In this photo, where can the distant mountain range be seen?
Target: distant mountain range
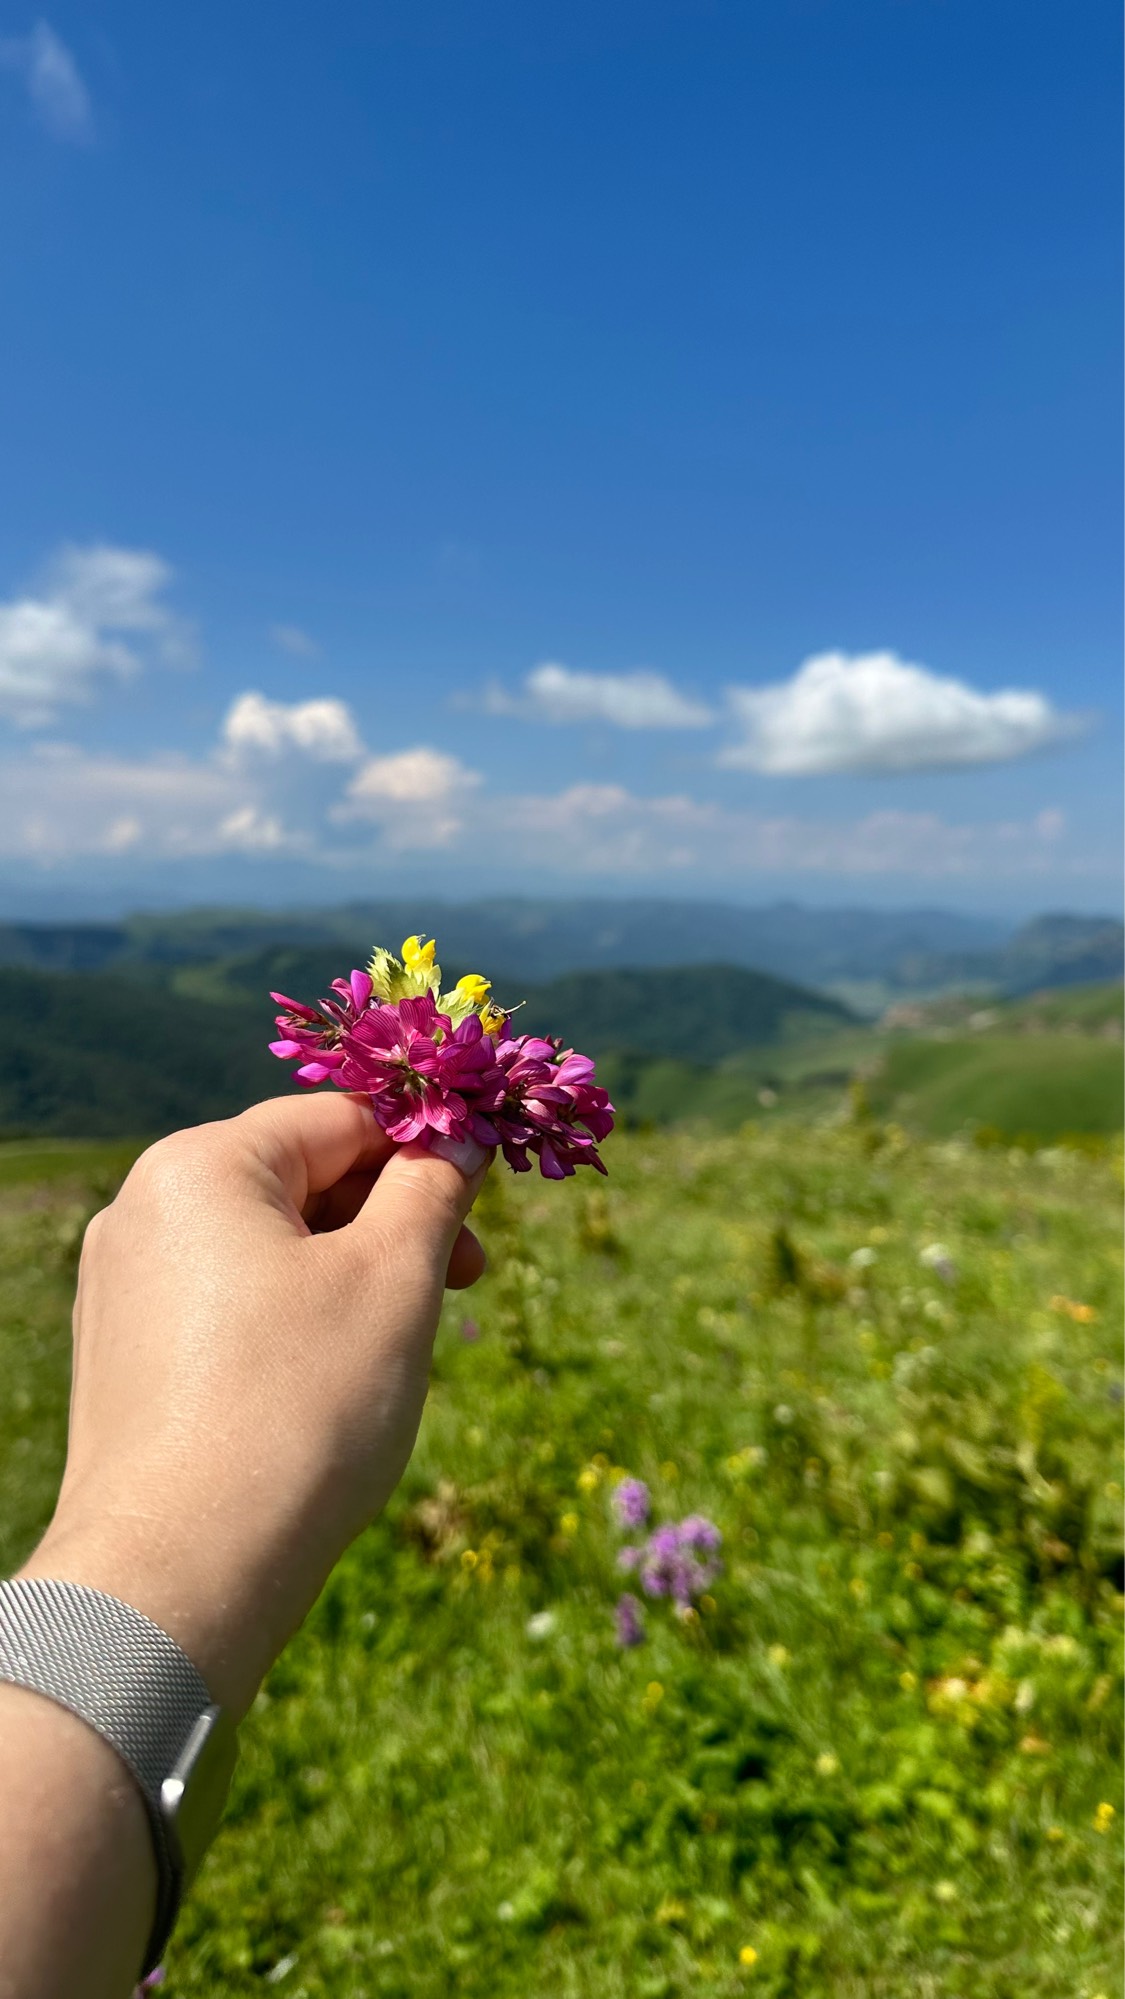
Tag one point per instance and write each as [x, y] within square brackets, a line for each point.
[864, 956]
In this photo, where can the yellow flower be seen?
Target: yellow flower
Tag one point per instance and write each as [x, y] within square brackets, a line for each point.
[492, 1018]
[588, 1478]
[671, 1911]
[472, 987]
[652, 1696]
[469, 1558]
[827, 1764]
[569, 1523]
[1083, 1315]
[748, 1956]
[1104, 1817]
[416, 954]
[778, 1655]
[908, 1681]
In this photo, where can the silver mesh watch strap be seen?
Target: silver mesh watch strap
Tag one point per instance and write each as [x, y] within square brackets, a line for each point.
[129, 1681]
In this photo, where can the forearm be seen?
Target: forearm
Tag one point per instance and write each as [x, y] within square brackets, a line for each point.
[77, 1876]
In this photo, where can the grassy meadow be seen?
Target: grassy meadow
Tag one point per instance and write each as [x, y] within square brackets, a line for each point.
[883, 1759]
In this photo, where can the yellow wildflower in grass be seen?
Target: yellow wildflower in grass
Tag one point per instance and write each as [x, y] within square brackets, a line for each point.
[671, 1472]
[748, 1957]
[1083, 1315]
[670, 1911]
[569, 1523]
[908, 1681]
[1104, 1817]
[778, 1655]
[1055, 1833]
[652, 1697]
[827, 1764]
[469, 1558]
[588, 1479]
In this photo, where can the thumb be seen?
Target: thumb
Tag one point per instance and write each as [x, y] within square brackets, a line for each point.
[418, 1205]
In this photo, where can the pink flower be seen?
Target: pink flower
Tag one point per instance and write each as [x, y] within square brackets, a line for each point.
[428, 1079]
[423, 1075]
[551, 1107]
[316, 1033]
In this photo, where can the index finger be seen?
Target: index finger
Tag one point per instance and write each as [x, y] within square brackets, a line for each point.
[309, 1142]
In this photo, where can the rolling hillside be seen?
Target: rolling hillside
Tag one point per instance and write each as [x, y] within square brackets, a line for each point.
[104, 1056]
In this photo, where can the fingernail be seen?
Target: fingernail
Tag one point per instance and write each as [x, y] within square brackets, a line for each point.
[464, 1153]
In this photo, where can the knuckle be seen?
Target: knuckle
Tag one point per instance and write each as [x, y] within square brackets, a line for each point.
[169, 1168]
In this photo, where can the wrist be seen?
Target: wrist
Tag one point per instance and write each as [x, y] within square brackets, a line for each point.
[210, 1620]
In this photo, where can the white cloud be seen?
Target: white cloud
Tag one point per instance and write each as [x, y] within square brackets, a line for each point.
[254, 832]
[59, 804]
[54, 645]
[292, 639]
[412, 777]
[295, 779]
[323, 729]
[416, 796]
[50, 75]
[641, 700]
[876, 713]
[606, 830]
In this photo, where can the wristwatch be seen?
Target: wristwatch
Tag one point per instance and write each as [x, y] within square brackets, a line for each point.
[131, 1683]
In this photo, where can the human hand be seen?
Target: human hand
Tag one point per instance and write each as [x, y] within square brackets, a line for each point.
[253, 1330]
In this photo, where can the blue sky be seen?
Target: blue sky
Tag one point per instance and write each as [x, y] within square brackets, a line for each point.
[628, 448]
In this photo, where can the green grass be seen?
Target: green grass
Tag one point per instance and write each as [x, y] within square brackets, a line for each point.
[1049, 1085]
[875, 1760]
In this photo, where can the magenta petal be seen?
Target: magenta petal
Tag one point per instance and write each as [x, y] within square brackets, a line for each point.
[360, 984]
[295, 1006]
[286, 1050]
[313, 1072]
[550, 1165]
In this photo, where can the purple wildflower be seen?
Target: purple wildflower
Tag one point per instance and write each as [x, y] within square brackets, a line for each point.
[700, 1534]
[551, 1107]
[629, 1620]
[470, 1330]
[679, 1561]
[154, 1979]
[631, 1503]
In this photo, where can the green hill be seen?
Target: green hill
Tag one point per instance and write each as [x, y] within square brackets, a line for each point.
[701, 1013]
[104, 1055]
[1046, 1086]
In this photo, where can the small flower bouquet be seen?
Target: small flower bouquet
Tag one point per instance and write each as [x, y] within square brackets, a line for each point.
[446, 1068]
